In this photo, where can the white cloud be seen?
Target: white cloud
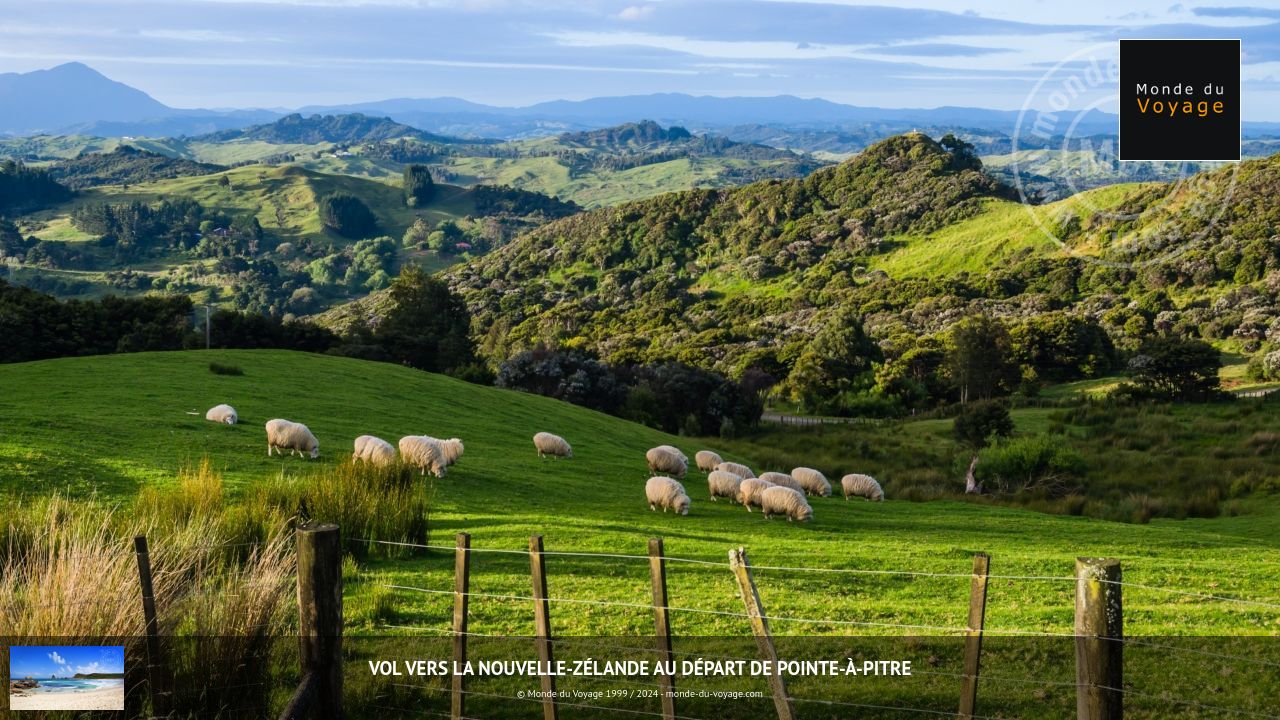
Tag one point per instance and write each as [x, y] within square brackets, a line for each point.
[93, 667]
[635, 12]
[54, 656]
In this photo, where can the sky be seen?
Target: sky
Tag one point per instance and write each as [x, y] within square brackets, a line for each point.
[42, 661]
[900, 53]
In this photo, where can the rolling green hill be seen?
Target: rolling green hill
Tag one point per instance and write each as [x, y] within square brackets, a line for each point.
[104, 427]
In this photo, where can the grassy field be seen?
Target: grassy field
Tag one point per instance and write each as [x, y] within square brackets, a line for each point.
[108, 430]
[106, 427]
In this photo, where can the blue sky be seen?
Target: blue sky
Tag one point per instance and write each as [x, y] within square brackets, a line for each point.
[64, 660]
[908, 53]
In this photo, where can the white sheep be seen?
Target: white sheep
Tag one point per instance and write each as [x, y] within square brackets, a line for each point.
[295, 437]
[222, 414]
[749, 491]
[677, 451]
[785, 501]
[738, 469]
[666, 459]
[666, 493]
[552, 445]
[783, 479]
[813, 482]
[373, 450]
[723, 484]
[452, 450]
[707, 460]
[424, 453]
[863, 486]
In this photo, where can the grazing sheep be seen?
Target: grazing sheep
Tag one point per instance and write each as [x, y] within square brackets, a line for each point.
[707, 460]
[749, 492]
[222, 414]
[813, 482]
[723, 484]
[295, 437]
[552, 445]
[668, 494]
[783, 479]
[424, 453]
[666, 459]
[452, 450]
[677, 451]
[863, 486]
[738, 469]
[785, 501]
[373, 450]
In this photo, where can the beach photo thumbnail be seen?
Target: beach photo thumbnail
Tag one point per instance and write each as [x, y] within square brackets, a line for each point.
[66, 677]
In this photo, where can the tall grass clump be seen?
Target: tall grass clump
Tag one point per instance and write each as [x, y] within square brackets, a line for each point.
[369, 503]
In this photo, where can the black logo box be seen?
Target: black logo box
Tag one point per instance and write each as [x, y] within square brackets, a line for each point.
[1180, 65]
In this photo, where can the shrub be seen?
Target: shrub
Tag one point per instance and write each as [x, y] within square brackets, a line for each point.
[1033, 463]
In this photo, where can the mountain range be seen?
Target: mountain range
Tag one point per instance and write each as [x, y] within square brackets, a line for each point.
[73, 98]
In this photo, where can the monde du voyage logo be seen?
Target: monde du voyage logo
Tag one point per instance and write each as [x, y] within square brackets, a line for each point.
[1179, 100]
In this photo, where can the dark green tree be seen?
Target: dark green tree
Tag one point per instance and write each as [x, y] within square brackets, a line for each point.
[838, 355]
[418, 186]
[1173, 368]
[427, 326]
[980, 359]
[347, 215]
[974, 427]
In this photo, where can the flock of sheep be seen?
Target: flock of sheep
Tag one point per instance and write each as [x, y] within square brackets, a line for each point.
[775, 493]
[426, 453]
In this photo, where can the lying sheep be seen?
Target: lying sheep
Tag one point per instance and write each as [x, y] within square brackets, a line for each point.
[813, 482]
[749, 491]
[783, 479]
[666, 459]
[452, 450]
[222, 414]
[373, 450]
[723, 484]
[863, 486]
[552, 445]
[707, 460]
[295, 437]
[424, 453]
[738, 469]
[667, 494]
[785, 501]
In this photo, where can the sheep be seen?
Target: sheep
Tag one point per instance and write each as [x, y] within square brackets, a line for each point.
[783, 479]
[723, 484]
[863, 486]
[749, 491]
[785, 501]
[707, 460]
[663, 459]
[295, 437]
[666, 493]
[373, 450]
[738, 469]
[813, 482]
[452, 450]
[222, 414]
[424, 453]
[676, 451]
[552, 445]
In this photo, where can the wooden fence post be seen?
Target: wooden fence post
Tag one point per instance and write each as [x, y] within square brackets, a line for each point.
[662, 626]
[542, 628]
[760, 627]
[461, 586]
[155, 665]
[1099, 640]
[973, 635]
[320, 617]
